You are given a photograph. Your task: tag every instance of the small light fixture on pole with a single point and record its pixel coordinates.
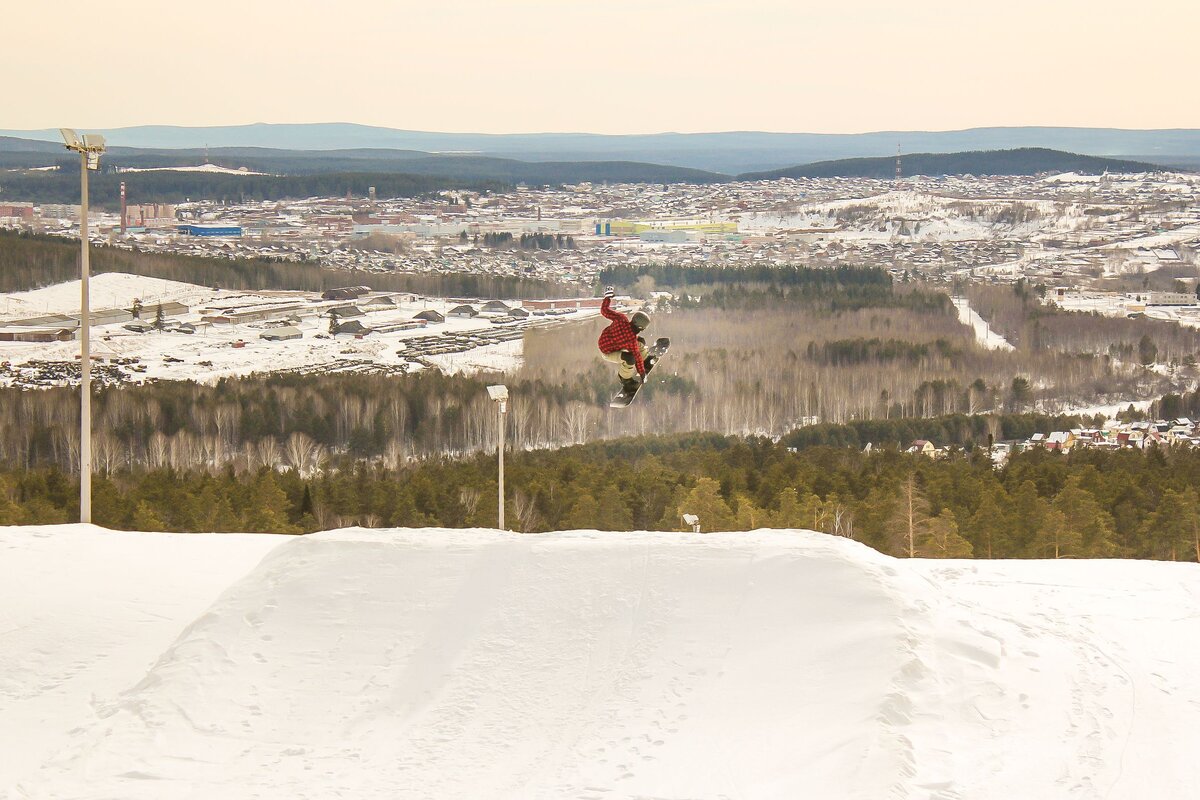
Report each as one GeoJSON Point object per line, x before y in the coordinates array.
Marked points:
{"type": "Point", "coordinates": [89, 147]}
{"type": "Point", "coordinates": [693, 520]}
{"type": "Point", "coordinates": [499, 394]}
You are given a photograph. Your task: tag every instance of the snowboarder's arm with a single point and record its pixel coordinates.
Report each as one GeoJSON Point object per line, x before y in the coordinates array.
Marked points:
{"type": "Point", "coordinates": [641, 365]}
{"type": "Point", "coordinates": [606, 310]}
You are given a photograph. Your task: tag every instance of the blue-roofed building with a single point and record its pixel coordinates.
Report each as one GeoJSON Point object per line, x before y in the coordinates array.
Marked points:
{"type": "Point", "coordinates": [210, 230]}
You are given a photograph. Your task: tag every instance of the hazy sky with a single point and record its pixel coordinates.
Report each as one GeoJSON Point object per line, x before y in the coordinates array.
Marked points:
{"type": "Point", "coordinates": [605, 66]}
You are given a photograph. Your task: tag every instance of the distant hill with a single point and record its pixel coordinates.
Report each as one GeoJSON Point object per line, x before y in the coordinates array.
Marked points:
{"type": "Point", "coordinates": [728, 152]}
{"type": "Point", "coordinates": [1022, 161]}
{"type": "Point", "coordinates": [13, 144]}
{"type": "Point", "coordinates": [20, 153]}
{"type": "Point", "coordinates": [396, 173]}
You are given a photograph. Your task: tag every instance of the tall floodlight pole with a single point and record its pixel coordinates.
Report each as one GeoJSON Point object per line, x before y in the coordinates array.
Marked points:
{"type": "Point", "coordinates": [499, 393]}
{"type": "Point", "coordinates": [89, 147]}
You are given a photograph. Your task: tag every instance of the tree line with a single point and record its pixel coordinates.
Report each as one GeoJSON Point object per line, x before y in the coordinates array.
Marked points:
{"type": "Point", "coordinates": [1041, 504]}
{"type": "Point", "coordinates": [29, 261]}
{"type": "Point", "coordinates": [773, 377]}
{"type": "Point", "coordinates": [172, 186]}
{"type": "Point", "coordinates": [1017, 313]}
{"type": "Point", "coordinates": [671, 275]}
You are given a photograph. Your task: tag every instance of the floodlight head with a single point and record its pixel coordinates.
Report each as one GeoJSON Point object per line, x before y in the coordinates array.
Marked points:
{"type": "Point", "coordinates": [94, 142]}
{"type": "Point", "coordinates": [498, 393]}
{"type": "Point", "coordinates": [71, 139]}
{"type": "Point", "coordinates": [690, 519]}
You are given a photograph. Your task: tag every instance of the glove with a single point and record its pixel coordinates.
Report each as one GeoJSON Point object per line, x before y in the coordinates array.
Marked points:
{"type": "Point", "coordinates": [609, 292]}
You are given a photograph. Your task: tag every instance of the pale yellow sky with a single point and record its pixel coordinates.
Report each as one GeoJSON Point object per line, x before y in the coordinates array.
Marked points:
{"type": "Point", "coordinates": [604, 66]}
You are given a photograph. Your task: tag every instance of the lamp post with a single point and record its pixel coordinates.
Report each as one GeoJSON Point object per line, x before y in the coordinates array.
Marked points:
{"type": "Point", "coordinates": [89, 147]}
{"type": "Point", "coordinates": [499, 394]}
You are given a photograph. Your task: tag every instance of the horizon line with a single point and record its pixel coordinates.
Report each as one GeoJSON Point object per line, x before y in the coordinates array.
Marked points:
{"type": "Point", "coordinates": [738, 131]}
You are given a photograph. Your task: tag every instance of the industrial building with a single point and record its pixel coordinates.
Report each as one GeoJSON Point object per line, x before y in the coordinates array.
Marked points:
{"type": "Point", "coordinates": [284, 334]}
{"type": "Point", "coordinates": [572, 303]}
{"type": "Point", "coordinates": [261, 314]}
{"type": "Point", "coordinates": [22, 334]}
{"type": "Point", "coordinates": [210, 230]}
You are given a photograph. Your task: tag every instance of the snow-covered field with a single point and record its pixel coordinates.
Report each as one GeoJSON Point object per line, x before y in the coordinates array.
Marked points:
{"type": "Point", "coordinates": [1113, 304]}
{"type": "Point", "coordinates": [107, 290]}
{"type": "Point", "coordinates": [213, 352]}
{"type": "Point", "coordinates": [468, 664]}
{"type": "Point", "coordinates": [215, 169]}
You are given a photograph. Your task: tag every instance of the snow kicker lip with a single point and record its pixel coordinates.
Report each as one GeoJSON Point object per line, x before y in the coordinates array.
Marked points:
{"type": "Point", "coordinates": [439, 663]}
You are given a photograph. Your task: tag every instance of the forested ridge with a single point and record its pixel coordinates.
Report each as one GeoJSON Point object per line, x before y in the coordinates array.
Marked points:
{"type": "Point", "coordinates": [167, 186]}
{"type": "Point", "coordinates": [29, 261]}
{"type": "Point", "coordinates": [1041, 504]}
{"type": "Point", "coordinates": [1019, 161]}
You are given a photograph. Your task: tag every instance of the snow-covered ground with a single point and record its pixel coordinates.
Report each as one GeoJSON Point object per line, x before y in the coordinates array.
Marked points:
{"type": "Point", "coordinates": [984, 334]}
{"type": "Point", "coordinates": [456, 664]}
{"type": "Point", "coordinates": [1116, 304]}
{"type": "Point", "coordinates": [1109, 410]}
{"type": "Point", "coordinates": [215, 169]}
{"type": "Point", "coordinates": [213, 352]}
{"type": "Point", "coordinates": [107, 290]}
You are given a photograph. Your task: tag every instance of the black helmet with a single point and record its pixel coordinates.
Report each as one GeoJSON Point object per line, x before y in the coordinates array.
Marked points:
{"type": "Point", "coordinates": [639, 321]}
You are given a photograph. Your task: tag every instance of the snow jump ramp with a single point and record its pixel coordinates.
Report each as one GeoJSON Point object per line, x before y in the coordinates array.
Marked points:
{"type": "Point", "coordinates": [774, 664]}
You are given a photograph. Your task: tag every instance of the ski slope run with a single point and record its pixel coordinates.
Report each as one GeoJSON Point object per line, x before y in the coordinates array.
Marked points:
{"type": "Point", "coordinates": [984, 335]}
{"type": "Point", "coordinates": [472, 664]}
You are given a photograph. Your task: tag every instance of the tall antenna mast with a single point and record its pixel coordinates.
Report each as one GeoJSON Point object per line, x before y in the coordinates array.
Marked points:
{"type": "Point", "coordinates": [897, 162]}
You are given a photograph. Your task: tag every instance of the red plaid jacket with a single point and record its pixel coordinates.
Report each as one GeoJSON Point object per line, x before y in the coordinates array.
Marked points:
{"type": "Point", "coordinates": [619, 335]}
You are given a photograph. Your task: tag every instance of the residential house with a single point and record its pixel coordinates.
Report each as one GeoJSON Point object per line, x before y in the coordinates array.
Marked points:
{"type": "Point", "coordinates": [923, 447]}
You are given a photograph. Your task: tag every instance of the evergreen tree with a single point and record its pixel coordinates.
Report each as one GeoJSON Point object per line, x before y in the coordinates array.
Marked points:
{"type": "Point", "coordinates": [268, 506]}
{"type": "Point", "coordinates": [1055, 538]}
{"type": "Point", "coordinates": [146, 519]}
{"type": "Point", "coordinates": [9, 513]}
{"type": "Point", "coordinates": [1020, 391]}
{"type": "Point", "coordinates": [1147, 350]}
{"type": "Point", "coordinates": [1086, 517]}
{"type": "Point", "coordinates": [1026, 512]}
{"type": "Point", "coordinates": [796, 510]}
{"type": "Point", "coordinates": [939, 538]}
{"type": "Point", "coordinates": [584, 514]}
{"type": "Point", "coordinates": [990, 527]}
{"type": "Point", "coordinates": [705, 501]}
{"type": "Point", "coordinates": [749, 516]}
{"type": "Point", "coordinates": [1171, 529]}
{"type": "Point", "coordinates": [160, 319]}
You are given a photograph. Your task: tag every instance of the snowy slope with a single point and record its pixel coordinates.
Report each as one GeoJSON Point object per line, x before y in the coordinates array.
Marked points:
{"type": "Point", "coordinates": [107, 290]}
{"type": "Point", "coordinates": [84, 611]}
{"type": "Point", "coordinates": [984, 335]}
{"type": "Point", "coordinates": [466, 664]}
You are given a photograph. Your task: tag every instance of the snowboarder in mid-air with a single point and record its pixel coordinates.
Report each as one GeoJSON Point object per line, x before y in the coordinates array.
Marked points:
{"type": "Point", "coordinates": [622, 344]}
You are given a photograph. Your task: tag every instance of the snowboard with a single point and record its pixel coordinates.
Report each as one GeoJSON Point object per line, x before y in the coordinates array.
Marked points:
{"type": "Point", "coordinates": [653, 354]}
